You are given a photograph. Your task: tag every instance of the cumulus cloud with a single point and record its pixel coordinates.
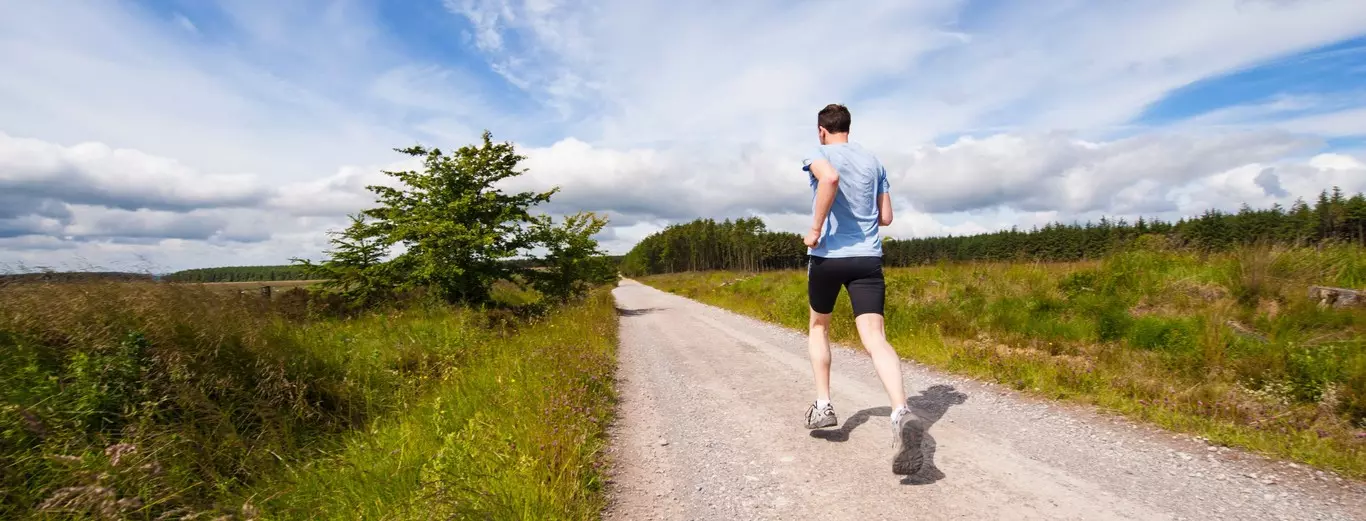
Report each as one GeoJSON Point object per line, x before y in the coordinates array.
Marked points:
{"type": "Point", "coordinates": [674, 185]}
{"type": "Point", "coordinates": [93, 222]}
{"type": "Point", "coordinates": [28, 224]}
{"type": "Point", "coordinates": [33, 242]}
{"type": "Point", "coordinates": [341, 193]}
{"type": "Point", "coordinates": [1036, 172]}
{"type": "Point", "coordinates": [96, 174]}
{"type": "Point", "coordinates": [1270, 182]}
{"type": "Point", "coordinates": [92, 192]}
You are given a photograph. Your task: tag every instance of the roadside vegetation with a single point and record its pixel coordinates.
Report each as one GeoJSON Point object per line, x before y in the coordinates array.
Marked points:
{"type": "Point", "coordinates": [444, 381]}
{"type": "Point", "coordinates": [511, 428]}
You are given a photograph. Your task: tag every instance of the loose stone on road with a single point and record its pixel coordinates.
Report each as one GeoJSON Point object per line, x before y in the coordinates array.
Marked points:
{"type": "Point", "coordinates": [710, 427]}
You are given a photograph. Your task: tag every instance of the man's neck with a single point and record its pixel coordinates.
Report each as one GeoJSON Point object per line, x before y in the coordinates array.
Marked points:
{"type": "Point", "coordinates": [836, 139]}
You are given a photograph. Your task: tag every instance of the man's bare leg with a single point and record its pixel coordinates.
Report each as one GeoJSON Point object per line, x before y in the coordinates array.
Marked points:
{"type": "Point", "coordinates": [819, 347]}
{"type": "Point", "coordinates": [907, 457]}
{"type": "Point", "coordinates": [821, 413]}
{"type": "Point", "coordinates": [871, 330]}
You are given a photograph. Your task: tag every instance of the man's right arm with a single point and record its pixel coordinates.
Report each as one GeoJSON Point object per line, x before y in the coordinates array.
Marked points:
{"type": "Point", "coordinates": [827, 183]}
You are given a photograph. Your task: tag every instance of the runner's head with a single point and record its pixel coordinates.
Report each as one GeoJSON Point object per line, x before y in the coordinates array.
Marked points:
{"type": "Point", "coordinates": [833, 124]}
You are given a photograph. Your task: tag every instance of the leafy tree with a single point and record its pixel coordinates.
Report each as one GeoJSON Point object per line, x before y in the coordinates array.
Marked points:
{"type": "Point", "coordinates": [456, 227]}
{"type": "Point", "coordinates": [458, 233]}
{"type": "Point", "coordinates": [356, 267]}
{"type": "Point", "coordinates": [574, 263]}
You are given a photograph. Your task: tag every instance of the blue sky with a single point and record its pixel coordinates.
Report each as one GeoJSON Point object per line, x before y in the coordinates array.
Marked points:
{"type": "Point", "coordinates": [173, 134]}
{"type": "Point", "coordinates": [1323, 79]}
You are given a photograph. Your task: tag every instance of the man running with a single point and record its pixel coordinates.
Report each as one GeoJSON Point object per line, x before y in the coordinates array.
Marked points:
{"type": "Point", "coordinates": [851, 200]}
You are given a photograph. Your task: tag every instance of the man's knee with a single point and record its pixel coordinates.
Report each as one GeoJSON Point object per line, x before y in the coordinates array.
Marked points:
{"type": "Point", "coordinates": [871, 327]}
{"type": "Point", "coordinates": [819, 320]}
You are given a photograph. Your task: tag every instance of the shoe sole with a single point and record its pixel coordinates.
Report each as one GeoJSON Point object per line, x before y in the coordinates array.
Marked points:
{"type": "Point", "coordinates": [907, 457]}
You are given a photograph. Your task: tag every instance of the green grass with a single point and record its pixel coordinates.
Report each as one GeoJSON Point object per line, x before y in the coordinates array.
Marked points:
{"type": "Point", "coordinates": [1225, 346]}
{"type": "Point", "coordinates": [516, 434]}
{"type": "Point", "coordinates": [138, 400]}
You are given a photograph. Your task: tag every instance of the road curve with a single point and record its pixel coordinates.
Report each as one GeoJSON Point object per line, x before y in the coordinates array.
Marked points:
{"type": "Point", "coordinates": [710, 427]}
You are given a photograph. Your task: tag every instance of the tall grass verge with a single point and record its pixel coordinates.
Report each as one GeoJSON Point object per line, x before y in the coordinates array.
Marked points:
{"type": "Point", "coordinates": [161, 401]}
{"type": "Point", "coordinates": [1226, 346]}
{"type": "Point", "coordinates": [517, 434]}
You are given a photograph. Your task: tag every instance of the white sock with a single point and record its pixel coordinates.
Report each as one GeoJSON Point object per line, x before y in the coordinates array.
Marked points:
{"type": "Point", "coordinates": [896, 415]}
{"type": "Point", "coordinates": [820, 404]}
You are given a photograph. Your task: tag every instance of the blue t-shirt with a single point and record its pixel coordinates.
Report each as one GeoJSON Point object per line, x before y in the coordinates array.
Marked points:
{"type": "Point", "coordinates": [851, 229]}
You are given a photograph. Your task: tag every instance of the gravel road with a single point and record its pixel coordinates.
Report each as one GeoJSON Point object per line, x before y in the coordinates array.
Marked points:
{"type": "Point", "coordinates": [710, 427]}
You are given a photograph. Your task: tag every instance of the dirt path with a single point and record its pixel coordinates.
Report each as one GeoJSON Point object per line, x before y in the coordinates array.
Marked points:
{"type": "Point", "coordinates": [710, 427]}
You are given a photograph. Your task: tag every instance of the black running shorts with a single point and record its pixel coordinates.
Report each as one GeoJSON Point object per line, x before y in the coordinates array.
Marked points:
{"type": "Point", "coordinates": [862, 276]}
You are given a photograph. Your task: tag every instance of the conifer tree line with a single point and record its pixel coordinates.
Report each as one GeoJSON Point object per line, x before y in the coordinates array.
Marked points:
{"type": "Point", "coordinates": [239, 274]}
{"type": "Point", "coordinates": [743, 244]}
{"type": "Point", "coordinates": [747, 245]}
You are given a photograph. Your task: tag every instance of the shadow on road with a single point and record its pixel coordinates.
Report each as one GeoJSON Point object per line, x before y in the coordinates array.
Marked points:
{"type": "Point", "coordinates": [636, 312]}
{"type": "Point", "coordinates": [928, 407]}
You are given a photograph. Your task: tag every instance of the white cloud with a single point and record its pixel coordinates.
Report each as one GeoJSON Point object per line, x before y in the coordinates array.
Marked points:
{"type": "Point", "coordinates": [1341, 123]}
{"type": "Point", "coordinates": [1230, 189]}
{"type": "Point", "coordinates": [88, 196]}
{"type": "Point", "coordinates": [94, 173]}
{"type": "Point", "coordinates": [339, 194]}
{"type": "Point", "coordinates": [1036, 172]}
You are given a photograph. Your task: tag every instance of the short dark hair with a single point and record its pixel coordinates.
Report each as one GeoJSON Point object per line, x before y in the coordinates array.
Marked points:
{"type": "Point", "coordinates": [834, 118]}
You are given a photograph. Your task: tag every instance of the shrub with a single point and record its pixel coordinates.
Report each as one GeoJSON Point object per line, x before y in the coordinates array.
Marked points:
{"type": "Point", "coordinates": [1164, 334]}
{"type": "Point", "coordinates": [1112, 323]}
{"type": "Point", "coordinates": [1078, 283]}
{"type": "Point", "coordinates": [1253, 274]}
